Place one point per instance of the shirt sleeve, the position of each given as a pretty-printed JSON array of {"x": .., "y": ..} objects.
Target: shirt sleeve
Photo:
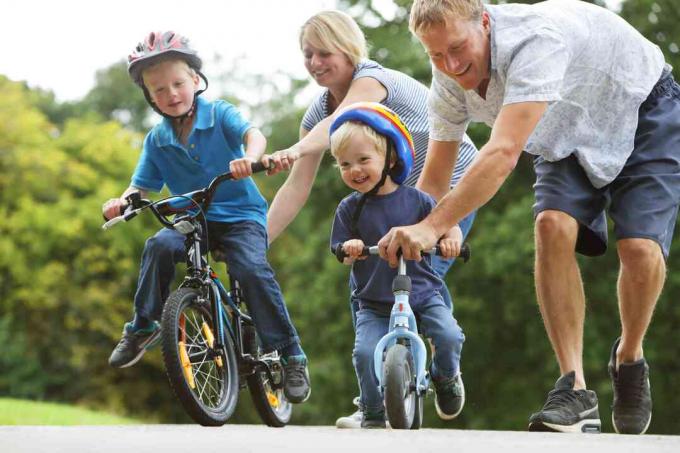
[
  {"x": 147, "y": 176},
  {"x": 446, "y": 110},
  {"x": 314, "y": 114},
  {"x": 380, "y": 74},
  {"x": 233, "y": 124},
  {"x": 536, "y": 69},
  {"x": 341, "y": 231}
]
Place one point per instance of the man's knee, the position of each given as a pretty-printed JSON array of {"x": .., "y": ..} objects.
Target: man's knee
[
  {"x": 555, "y": 228},
  {"x": 362, "y": 356},
  {"x": 639, "y": 253}
]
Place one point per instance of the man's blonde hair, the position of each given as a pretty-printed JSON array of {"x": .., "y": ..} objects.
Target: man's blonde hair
[
  {"x": 335, "y": 31},
  {"x": 428, "y": 13},
  {"x": 347, "y": 130}
]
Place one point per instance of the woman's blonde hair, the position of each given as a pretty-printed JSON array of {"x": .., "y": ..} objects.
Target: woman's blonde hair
[
  {"x": 335, "y": 31},
  {"x": 348, "y": 129},
  {"x": 427, "y": 13}
]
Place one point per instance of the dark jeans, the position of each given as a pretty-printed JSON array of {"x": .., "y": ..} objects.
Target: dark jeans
[{"x": 245, "y": 246}]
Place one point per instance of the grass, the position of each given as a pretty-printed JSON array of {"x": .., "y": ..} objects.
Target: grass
[{"x": 24, "y": 412}]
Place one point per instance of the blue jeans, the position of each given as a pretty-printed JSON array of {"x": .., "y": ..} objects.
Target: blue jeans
[
  {"x": 437, "y": 323},
  {"x": 245, "y": 246},
  {"x": 440, "y": 265}
]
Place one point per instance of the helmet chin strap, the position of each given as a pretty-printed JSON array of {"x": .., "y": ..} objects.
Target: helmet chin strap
[
  {"x": 189, "y": 113},
  {"x": 354, "y": 225}
]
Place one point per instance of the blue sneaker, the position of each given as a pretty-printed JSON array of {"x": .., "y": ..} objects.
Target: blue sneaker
[{"x": 134, "y": 344}]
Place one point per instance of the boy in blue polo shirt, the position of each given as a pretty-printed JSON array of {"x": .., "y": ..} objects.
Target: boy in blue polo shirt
[{"x": 196, "y": 141}]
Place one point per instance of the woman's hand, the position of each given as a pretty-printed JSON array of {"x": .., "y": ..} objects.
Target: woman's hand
[{"x": 283, "y": 160}]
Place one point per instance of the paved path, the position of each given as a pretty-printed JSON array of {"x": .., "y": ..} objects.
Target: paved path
[{"x": 299, "y": 439}]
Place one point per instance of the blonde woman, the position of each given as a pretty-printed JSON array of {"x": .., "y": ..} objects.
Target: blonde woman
[{"x": 336, "y": 56}]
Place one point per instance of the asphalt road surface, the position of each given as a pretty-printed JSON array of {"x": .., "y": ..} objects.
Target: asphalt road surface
[{"x": 299, "y": 439}]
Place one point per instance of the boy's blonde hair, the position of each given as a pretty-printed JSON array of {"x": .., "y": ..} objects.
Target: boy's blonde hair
[
  {"x": 335, "y": 31},
  {"x": 427, "y": 13},
  {"x": 349, "y": 129},
  {"x": 169, "y": 58}
]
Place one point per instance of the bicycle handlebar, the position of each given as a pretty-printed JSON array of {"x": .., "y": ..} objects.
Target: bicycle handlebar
[
  {"x": 464, "y": 254},
  {"x": 161, "y": 208}
]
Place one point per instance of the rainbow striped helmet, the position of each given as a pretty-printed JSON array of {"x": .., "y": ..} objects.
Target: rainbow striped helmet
[{"x": 385, "y": 122}]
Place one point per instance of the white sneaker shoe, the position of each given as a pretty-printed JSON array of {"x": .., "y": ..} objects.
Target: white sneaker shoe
[{"x": 352, "y": 421}]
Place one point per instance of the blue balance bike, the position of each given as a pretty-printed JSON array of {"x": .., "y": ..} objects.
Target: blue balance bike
[{"x": 400, "y": 356}]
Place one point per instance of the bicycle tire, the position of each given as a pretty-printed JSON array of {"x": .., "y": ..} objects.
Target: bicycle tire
[
  {"x": 213, "y": 400},
  {"x": 401, "y": 400},
  {"x": 270, "y": 403}
]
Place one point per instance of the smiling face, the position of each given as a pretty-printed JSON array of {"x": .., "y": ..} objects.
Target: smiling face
[
  {"x": 171, "y": 85},
  {"x": 460, "y": 49},
  {"x": 360, "y": 159},
  {"x": 330, "y": 69}
]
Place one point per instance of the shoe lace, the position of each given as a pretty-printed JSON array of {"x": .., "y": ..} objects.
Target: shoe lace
[
  {"x": 447, "y": 386},
  {"x": 559, "y": 398},
  {"x": 630, "y": 391},
  {"x": 295, "y": 374}
]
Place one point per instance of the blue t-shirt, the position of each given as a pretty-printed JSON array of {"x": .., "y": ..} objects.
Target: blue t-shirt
[
  {"x": 215, "y": 140},
  {"x": 373, "y": 276}
]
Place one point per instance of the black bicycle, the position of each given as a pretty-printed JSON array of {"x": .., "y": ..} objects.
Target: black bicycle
[{"x": 209, "y": 344}]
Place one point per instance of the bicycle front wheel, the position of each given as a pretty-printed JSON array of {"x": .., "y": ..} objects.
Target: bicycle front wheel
[
  {"x": 205, "y": 380},
  {"x": 404, "y": 410},
  {"x": 267, "y": 390}
]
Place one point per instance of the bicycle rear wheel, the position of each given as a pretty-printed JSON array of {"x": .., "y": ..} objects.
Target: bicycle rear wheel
[
  {"x": 270, "y": 402},
  {"x": 206, "y": 382}
]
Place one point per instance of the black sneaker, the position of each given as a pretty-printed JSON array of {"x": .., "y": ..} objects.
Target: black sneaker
[
  {"x": 449, "y": 396},
  {"x": 373, "y": 421},
  {"x": 632, "y": 406},
  {"x": 567, "y": 410},
  {"x": 296, "y": 385},
  {"x": 134, "y": 344}
]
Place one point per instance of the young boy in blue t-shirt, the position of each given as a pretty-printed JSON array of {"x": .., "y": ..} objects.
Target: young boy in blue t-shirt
[
  {"x": 360, "y": 139},
  {"x": 196, "y": 141}
]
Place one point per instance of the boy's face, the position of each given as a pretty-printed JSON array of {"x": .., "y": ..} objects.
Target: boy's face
[
  {"x": 460, "y": 49},
  {"x": 171, "y": 85},
  {"x": 360, "y": 164}
]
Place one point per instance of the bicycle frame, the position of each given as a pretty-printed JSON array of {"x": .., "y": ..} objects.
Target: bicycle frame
[{"x": 403, "y": 325}]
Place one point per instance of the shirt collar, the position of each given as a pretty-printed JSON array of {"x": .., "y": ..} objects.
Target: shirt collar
[{"x": 205, "y": 119}]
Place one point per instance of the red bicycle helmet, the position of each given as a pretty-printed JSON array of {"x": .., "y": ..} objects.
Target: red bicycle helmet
[{"x": 159, "y": 43}]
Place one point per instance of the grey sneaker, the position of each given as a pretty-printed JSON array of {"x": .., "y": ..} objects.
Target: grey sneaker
[
  {"x": 352, "y": 421},
  {"x": 567, "y": 410},
  {"x": 632, "y": 406},
  {"x": 296, "y": 385},
  {"x": 134, "y": 344},
  {"x": 373, "y": 421},
  {"x": 449, "y": 396}
]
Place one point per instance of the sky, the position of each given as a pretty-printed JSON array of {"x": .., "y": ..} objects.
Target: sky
[{"x": 59, "y": 45}]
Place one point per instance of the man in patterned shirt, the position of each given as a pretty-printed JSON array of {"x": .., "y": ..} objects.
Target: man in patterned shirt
[{"x": 594, "y": 102}]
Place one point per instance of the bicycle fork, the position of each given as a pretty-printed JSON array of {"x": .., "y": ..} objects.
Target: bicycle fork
[{"x": 402, "y": 326}]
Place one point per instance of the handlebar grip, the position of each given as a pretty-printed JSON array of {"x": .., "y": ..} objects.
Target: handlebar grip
[
  {"x": 341, "y": 255},
  {"x": 464, "y": 254},
  {"x": 257, "y": 167}
]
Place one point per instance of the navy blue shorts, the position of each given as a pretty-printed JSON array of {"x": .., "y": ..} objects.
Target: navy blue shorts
[{"x": 643, "y": 199}]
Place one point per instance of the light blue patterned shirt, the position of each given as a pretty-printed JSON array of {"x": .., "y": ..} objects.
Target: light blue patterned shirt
[{"x": 592, "y": 68}]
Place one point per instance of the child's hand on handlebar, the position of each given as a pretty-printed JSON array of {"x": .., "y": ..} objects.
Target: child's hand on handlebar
[
  {"x": 451, "y": 243},
  {"x": 353, "y": 248},
  {"x": 282, "y": 160},
  {"x": 113, "y": 208},
  {"x": 241, "y": 168}
]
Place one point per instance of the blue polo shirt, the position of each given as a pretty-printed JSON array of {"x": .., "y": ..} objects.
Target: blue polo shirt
[{"x": 215, "y": 140}]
